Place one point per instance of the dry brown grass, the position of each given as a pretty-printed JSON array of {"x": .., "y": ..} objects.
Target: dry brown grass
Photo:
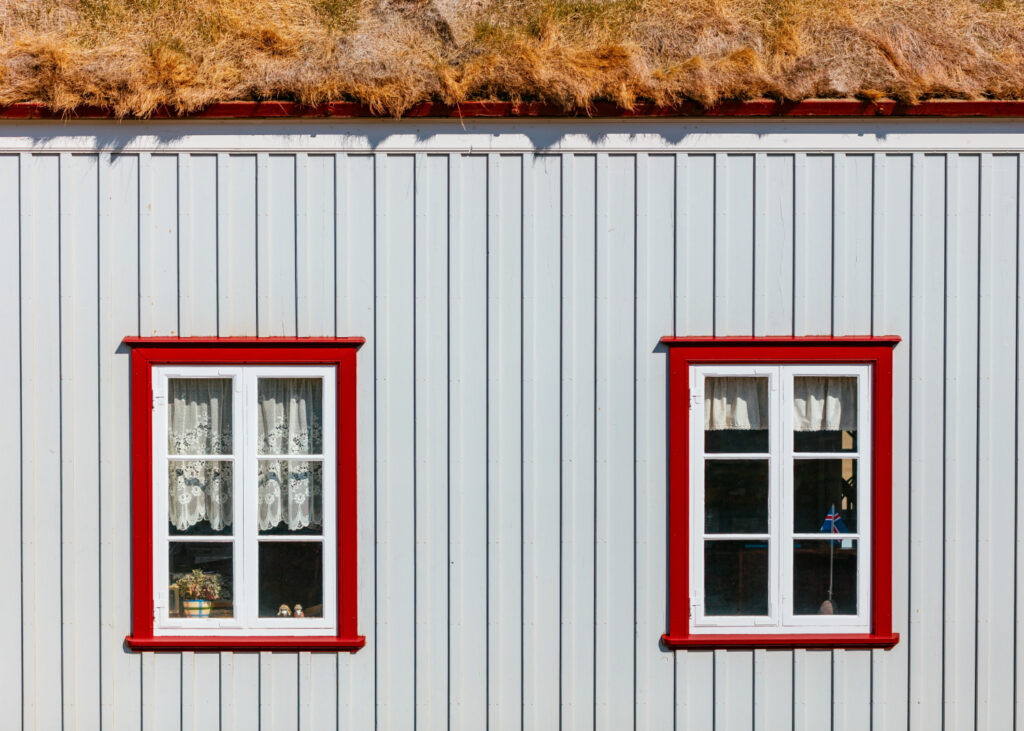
[{"x": 134, "y": 55}]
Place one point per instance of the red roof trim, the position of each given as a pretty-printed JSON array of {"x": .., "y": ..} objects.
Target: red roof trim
[{"x": 353, "y": 110}]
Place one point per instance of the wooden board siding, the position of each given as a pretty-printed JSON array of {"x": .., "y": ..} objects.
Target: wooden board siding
[{"x": 512, "y": 282}]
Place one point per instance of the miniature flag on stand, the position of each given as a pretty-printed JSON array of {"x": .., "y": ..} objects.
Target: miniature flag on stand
[{"x": 834, "y": 524}]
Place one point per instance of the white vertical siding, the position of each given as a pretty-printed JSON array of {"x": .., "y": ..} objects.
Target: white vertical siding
[{"x": 512, "y": 412}]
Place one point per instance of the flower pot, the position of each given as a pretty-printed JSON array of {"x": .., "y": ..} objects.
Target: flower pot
[{"x": 197, "y": 607}]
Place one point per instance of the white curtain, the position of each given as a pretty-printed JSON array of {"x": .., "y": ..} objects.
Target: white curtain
[
  {"x": 199, "y": 422},
  {"x": 820, "y": 403},
  {"x": 825, "y": 403},
  {"x": 735, "y": 403},
  {"x": 290, "y": 423}
]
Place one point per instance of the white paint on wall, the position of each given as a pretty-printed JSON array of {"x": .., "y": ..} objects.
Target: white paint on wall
[{"x": 512, "y": 280}]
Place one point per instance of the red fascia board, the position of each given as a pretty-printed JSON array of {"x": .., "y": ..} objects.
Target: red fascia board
[
  {"x": 225, "y": 643},
  {"x": 485, "y": 109},
  {"x": 792, "y": 642}
]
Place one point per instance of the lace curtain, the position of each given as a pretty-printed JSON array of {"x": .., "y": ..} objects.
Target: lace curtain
[
  {"x": 199, "y": 422},
  {"x": 820, "y": 403},
  {"x": 290, "y": 415},
  {"x": 289, "y": 423}
]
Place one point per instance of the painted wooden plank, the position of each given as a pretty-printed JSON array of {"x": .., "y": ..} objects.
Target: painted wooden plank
[
  {"x": 734, "y": 244},
  {"x": 431, "y": 435},
  {"x": 357, "y": 679},
  {"x": 891, "y": 316},
  {"x": 812, "y": 254},
  {"x": 279, "y": 690},
  {"x": 960, "y": 487},
  {"x": 735, "y": 284},
  {"x": 504, "y": 449},
  {"x": 851, "y": 683},
  {"x": 616, "y": 447},
  {"x": 200, "y": 691},
  {"x": 734, "y": 703},
  {"x": 275, "y": 245},
  {"x": 315, "y": 244},
  {"x": 542, "y": 517},
  {"x": 236, "y": 242},
  {"x": 578, "y": 439},
  {"x": 240, "y": 683},
  {"x": 318, "y": 691},
  {"x": 695, "y": 689},
  {"x": 396, "y": 524},
  {"x": 695, "y": 245},
  {"x": 158, "y": 311},
  {"x": 812, "y": 689},
  {"x": 158, "y": 244},
  {"x": 79, "y": 258},
  {"x": 812, "y": 306},
  {"x": 927, "y": 323},
  {"x": 851, "y": 315},
  {"x": 42, "y": 509},
  {"x": 468, "y": 632},
  {"x": 851, "y": 301},
  {"x": 773, "y": 245},
  {"x": 996, "y": 441},
  {"x": 197, "y": 312},
  {"x": 119, "y": 316},
  {"x": 161, "y": 691},
  {"x": 11, "y": 490},
  {"x": 695, "y": 308},
  {"x": 655, "y": 260},
  {"x": 773, "y": 690},
  {"x": 197, "y": 222}
]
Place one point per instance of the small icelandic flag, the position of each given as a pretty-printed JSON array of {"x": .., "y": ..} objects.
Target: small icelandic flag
[{"x": 834, "y": 524}]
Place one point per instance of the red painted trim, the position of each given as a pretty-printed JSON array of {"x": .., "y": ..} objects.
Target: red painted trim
[
  {"x": 876, "y": 351},
  {"x": 147, "y": 352},
  {"x": 142, "y": 495},
  {"x": 222, "y": 644},
  {"x": 1002, "y": 108},
  {"x": 782, "y": 341},
  {"x": 779, "y": 641},
  {"x": 171, "y": 342}
]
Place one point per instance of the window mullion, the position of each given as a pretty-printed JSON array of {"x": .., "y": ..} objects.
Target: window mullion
[
  {"x": 785, "y": 473},
  {"x": 246, "y": 534}
]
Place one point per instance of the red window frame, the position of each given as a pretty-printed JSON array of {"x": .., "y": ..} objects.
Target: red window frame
[
  {"x": 684, "y": 352},
  {"x": 149, "y": 352}
]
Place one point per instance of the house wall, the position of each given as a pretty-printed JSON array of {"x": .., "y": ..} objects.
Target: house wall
[{"x": 512, "y": 281}]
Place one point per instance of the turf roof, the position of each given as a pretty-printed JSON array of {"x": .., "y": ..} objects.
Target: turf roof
[{"x": 136, "y": 55}]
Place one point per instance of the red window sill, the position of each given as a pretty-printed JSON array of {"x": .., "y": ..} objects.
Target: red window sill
[
  {"x": 791, "y": 642},
  {"x": 216, "y": 644}
]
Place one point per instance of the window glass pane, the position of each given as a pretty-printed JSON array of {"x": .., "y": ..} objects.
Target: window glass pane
[
  {"x": 825, "y": 413},
  {"x": 290, "y": 416},
  {"x": 199, "y": 497},
  {"x": 291, "y": 579},
  {"x": 736, "y": 496},
  {"x": 290, "y": 497},
  {"x": 200, "y": 580},
  {"x": 735, "y": 578},
  {"x": 199, "y": 415},
  {"x": 821, "y": 485},
  {"x": 736, "y": 414},
  {"x": 824, "y": 569}
]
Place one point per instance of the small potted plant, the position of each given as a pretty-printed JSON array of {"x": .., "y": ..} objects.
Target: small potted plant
[{"x": 197, "y": 591}]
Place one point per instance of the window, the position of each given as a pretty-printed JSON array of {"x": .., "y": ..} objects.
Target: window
[
  {"x": 243, "y": 494},
  {"x": 780, "y": 492}
]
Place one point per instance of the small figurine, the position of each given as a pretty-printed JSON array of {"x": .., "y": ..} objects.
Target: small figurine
[
  {"x": 298, "y": 611},
  {"x": 284, "y": 611}
]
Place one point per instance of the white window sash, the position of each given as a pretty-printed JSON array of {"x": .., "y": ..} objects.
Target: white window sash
[
  {"x": 245, "y": 530},
  {"x": 780, "y": 537}
]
